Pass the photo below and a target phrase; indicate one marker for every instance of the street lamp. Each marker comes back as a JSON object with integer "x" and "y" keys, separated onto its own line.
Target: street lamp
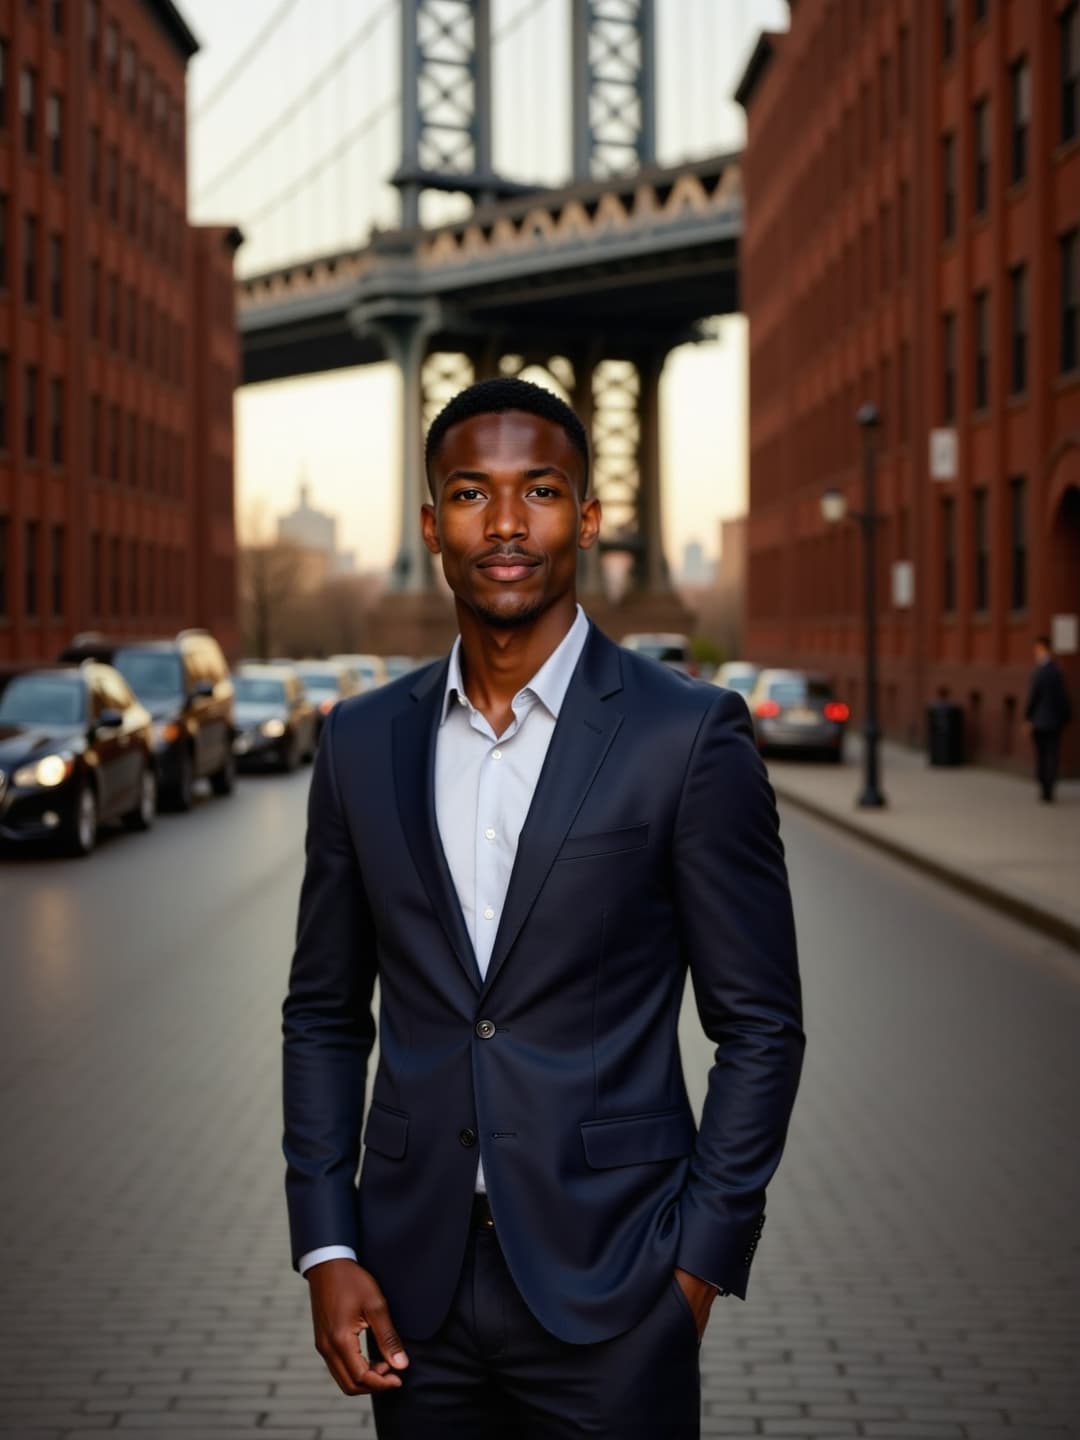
{"x": 834, "y": 509}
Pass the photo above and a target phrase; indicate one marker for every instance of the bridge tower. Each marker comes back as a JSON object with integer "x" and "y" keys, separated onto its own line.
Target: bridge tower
{"x": 446, "y": 145}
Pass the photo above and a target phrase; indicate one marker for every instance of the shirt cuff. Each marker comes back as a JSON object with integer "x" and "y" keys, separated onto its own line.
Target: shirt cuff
{"x": 324, "y": 1252}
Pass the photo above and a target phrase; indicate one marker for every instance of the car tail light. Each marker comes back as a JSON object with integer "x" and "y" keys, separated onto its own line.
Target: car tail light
{"x": 325, "y": 706}
{"x": 767, "y": 710}
{"x": 838, "y": 711}
{"x": 693, "y": 669}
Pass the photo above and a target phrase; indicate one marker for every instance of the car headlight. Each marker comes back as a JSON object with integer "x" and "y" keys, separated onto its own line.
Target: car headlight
{"x": 50, "y": 770}
{"x": 272, "y": 728}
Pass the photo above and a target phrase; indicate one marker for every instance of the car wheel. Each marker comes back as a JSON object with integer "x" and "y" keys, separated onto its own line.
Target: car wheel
{"x": 142, "y": 817}
{"x": 181, "y": 794}
{"x": 81, "y": 835}
{"x": 223, "y": 781}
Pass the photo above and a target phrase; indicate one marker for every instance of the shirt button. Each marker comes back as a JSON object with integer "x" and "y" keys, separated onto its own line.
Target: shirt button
{"x": 496, "y": 754}
{"x": 485, "y": 1029}
{"x": 467, "y": 1138}
{"x": 489, "y": 913}
{"x": 489, "y": 834}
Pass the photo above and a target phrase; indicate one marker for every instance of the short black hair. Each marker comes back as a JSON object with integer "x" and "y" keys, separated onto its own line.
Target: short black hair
{"x": 494, "y": 397}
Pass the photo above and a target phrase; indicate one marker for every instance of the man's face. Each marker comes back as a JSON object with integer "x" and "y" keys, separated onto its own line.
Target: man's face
{"x": 508, "y": 518}
{"x": 1041, "y": 654}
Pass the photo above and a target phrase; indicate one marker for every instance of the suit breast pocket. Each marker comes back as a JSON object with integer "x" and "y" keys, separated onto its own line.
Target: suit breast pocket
{"x": 386, "y": 1132}
{"x": 607, "y": 842}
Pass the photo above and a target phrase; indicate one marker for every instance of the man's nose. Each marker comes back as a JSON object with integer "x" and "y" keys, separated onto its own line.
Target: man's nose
{"x": 506, "y": 517}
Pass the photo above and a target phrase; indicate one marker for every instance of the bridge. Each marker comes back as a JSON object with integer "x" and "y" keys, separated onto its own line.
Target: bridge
{"x": 587, "y": 286}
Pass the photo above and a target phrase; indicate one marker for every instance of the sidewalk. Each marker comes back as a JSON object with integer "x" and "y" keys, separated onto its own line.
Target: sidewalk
{"x": 979, "y": 830}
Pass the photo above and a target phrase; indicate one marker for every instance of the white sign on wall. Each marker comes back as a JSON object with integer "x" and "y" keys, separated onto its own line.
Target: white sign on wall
{"x": 1063, "y": 634}
{"x": 944, "y": 454}
{"x": 903, "y": 585}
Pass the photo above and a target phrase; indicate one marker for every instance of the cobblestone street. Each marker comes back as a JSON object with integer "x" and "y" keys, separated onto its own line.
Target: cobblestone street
{"x": 918, "y": 1275}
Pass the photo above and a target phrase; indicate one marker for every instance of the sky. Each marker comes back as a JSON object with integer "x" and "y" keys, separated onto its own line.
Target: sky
{"x": 317, "y": 181}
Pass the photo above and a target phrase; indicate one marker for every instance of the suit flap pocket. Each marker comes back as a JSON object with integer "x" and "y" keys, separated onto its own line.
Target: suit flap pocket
{"x": 638, "y": 1139}
{"x": 386, "y": 1132}
{"x": 610, "y": 842}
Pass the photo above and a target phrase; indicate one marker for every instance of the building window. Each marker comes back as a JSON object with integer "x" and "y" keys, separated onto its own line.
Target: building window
{"x": 56, "y": 570}
{"x": 132, "y": 449}
{"x": 948, "y": 368}
{"x": 948, "y": 554}
{"x": 94, "y": 300}
{"x": 1018, "y": 329}
{"x": 132, "y": 324}
{"x": 112, "y": 183}
{"x": 3, "y": 84}
{"x": 95, "y": 436}
{"x": 56, "y": 420}
{"x": 3, "y": 240}
{"x": 979, "y": 11}
{"x": 981, "y": 596}
{"x": 93, "y": 165}
{"x": 4, "y": 528}
{"x": 1018, "y": 543}
{"x": 1070, "y": 301}
{"x": 130, "y": 74}
{"x": 885, "y": 97}
{"x": 903, "y": 77}
{"x": 28, "y": 108}
{"x": 981, "y": 350}
{"x": 93, "y": 34}
{"x": 56, "y": 18}
{"x": 131, "y": 200}
{"x": 95, "y": 573}
{"x": 980, "y": 139}
{"x": 5, "y": 378}
{"x": 30, "y": 413}
{"x": 114, "y": 574}
{"x": 113, "y": 444}
{"x": 54, "y": 133}
{"x": 1069, "y": 44}
{"x": 112, "y": 56}
{"x": 948, "y": 186}
{"x": 30, "y": 566}
{"x": 30, "y": 270}
{"x": 56, "y": 276}
{"x": 133, "y": 577}
{"x": 948, "y": 29}
{"x": 885, "y": 247}
{"x": 1019, "y": 119}
{"x": 112, "y": 312}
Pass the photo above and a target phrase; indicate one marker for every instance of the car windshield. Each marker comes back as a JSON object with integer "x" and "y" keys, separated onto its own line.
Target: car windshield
{"x": 742, "y": 681}
{"x": 797, "y": 691}
{"x": 259, "y": 692}
{"x": 42, "y": 700}
{"x": 153, "y": 675}
{"x": 664, "y": 653}
{"x": 319, "y": 679}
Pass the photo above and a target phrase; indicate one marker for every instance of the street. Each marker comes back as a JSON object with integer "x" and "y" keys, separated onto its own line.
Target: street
{"x": 918, "y": 1274}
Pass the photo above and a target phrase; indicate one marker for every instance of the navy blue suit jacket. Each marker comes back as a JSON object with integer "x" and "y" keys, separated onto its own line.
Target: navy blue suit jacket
{"x": 651, "y": 846}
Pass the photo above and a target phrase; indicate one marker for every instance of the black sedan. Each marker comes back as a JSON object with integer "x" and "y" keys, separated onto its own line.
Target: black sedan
{"x": 76, "y": 750}
{"x": 793, "y": 711}
{"x": 275, "y": 721}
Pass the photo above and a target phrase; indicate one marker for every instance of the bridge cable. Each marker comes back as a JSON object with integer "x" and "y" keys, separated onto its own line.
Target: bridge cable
{"x": 361, "y": 37}
{"x": 245, "y": 59}
{"x": 330, "y": 158}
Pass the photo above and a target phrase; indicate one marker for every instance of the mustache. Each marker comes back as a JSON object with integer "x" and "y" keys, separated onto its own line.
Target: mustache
{"x": 508, "y": 553}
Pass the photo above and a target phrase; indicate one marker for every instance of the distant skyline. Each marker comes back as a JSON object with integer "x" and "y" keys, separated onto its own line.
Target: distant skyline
{"x": 340, "y": 429}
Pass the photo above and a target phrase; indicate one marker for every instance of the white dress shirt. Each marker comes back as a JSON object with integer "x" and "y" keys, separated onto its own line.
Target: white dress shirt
{"x": 484, "y": 785}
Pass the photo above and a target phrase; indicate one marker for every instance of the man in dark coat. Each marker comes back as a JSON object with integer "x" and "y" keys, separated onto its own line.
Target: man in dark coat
{"x": 1046, "y": 714}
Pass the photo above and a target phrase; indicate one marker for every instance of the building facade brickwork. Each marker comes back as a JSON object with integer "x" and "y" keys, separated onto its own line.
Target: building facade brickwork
{"x": 118, "y": 352}
{"x": 912, "y": 177}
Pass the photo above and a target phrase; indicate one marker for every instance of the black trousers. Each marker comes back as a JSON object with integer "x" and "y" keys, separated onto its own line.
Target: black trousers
{"x": 1047, "y": 750}
{"x": 493, "y": 1373}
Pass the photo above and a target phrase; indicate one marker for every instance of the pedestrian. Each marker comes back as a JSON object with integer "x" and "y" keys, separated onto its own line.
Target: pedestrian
{"x": 528, "y": 844}
{"x": 1045, "y": 716}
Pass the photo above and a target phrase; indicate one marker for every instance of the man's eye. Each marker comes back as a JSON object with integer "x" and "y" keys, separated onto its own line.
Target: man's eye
{"x": 544, "y": 491}
{"x": 467, "y": 494}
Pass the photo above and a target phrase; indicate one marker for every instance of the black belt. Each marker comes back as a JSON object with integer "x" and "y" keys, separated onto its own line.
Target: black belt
{"x": 481, "y": 1213}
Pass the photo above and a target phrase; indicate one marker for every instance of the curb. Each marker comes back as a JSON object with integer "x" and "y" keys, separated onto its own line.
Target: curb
{"x": 1030, "y": 914}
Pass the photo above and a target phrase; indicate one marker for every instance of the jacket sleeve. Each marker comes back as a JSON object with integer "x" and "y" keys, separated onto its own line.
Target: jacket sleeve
{"x": 328, "y": 1025}
{"x": 739, "y": 934}
{"x": 1033, "y": 696}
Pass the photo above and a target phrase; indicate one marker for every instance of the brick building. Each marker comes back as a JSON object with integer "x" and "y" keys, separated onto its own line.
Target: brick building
{"x": 912, "y": 176}
{"x": 118, "y": 350}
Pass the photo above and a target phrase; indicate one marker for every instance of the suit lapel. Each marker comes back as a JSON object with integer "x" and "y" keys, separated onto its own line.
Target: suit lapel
{"x": 582, "y": 736}
{"x": 415, "y": 731}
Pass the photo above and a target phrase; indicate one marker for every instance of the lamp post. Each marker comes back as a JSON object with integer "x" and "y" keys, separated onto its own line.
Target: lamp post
{"x": 834, "y": 509}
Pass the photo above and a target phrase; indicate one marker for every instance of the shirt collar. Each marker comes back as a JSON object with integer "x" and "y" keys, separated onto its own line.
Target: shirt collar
{"x": 551, "y": 681}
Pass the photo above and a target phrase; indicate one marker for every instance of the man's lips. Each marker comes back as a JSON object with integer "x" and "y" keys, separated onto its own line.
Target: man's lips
{"x": 507, "y": 567}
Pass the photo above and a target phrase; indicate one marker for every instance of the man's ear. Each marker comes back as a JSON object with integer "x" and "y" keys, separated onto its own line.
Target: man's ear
{"x": 430, "y": 527}
{"x": 589, "y": 528}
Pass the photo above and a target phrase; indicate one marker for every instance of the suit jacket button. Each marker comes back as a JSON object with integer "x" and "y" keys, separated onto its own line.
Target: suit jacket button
{"x": 468, "y": 1138}
{"x": 485, "y": 1029}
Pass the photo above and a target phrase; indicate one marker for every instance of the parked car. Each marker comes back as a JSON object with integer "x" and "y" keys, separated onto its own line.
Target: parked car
{"x": 671, "y": 650}
{"x": 327, "y": 682}
{"x": 738, "y": 675}
{"x": 795, "y": 711}
{"x": 76, "y": 750}
{"x": 276, "y": 721}
{"x": 399, "y": 665}
{"x": 185, "y": 684}
{"x": 370, "y": 670}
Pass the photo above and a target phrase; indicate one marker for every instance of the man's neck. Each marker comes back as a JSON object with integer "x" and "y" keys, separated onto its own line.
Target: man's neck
{"x": 498, "y": 661}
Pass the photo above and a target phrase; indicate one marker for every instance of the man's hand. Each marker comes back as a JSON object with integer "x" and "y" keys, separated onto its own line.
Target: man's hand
{"x": 345, "y": 1301}
{"x": 699, "y": 1296}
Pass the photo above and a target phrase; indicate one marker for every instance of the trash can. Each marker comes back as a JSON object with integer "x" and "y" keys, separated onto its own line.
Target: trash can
{"x": 945, "y": 733}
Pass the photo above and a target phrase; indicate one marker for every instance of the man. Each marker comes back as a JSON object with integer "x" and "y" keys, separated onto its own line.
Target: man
{"x": 1045, "y": 716}
{"x": 528, "y": 845}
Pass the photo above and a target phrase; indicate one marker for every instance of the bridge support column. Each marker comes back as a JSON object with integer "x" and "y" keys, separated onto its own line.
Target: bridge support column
{"x": 590, "y": 572}
{"x": 653, "y": 575}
